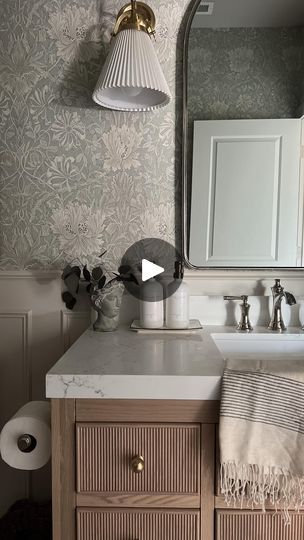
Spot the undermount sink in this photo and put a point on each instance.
(268, 344)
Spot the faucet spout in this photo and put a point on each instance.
(276, 323)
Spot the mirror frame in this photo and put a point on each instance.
(185, 180)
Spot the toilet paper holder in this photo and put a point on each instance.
(26, 443)
(25, 439)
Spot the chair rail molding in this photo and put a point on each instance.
(30, 274)
(201, 282)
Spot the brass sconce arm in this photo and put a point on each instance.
(135, 15)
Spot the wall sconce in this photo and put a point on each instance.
(131, 78)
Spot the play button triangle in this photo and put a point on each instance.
(150, 270)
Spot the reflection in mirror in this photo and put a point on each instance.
(244, 101)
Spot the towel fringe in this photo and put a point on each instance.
(257, 485)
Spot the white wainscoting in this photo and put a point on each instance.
(35, 331)
(73, 324)
(15, 377)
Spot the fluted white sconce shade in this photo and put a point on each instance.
(132, 78)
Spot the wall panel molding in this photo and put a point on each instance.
(18, 359)
(71, 322)
(32, 341)
(26, 318)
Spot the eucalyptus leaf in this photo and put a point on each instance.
(97, 273)
(68, 299)
(76, 270)
(86, 273)
(72, 283)
(101, 282)
(124, 269)
(66, 271)
(90, 288)
(134, 279)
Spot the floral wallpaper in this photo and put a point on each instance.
(237, 73)
(77, 179)
(245, 73)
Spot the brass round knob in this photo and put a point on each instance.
(138, 464)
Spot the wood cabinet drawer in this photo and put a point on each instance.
(256, 525)
(93, 524)
(171, 454)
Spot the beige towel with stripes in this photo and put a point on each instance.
(261, 433)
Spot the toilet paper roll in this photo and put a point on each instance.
(25, 440)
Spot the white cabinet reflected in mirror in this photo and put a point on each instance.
(245, 192)
(243, 102)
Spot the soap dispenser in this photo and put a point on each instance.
(177, 303)
(151, 306)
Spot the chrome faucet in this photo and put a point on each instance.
(244, 325)
(276, 323)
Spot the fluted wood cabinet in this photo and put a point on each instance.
(146, 458)
(146, 470)
(132, 523)
(256, 525)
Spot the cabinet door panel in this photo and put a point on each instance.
(171, 455)
(256, 525)
(136, 525)
(245, 193)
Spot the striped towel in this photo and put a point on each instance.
(262, 433)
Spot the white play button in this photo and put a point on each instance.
(138, 266)
(150, 270)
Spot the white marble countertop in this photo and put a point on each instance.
(130, 365)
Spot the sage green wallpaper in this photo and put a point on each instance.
(77, 179)
(246, 73)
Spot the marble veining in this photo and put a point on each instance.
(127, 365)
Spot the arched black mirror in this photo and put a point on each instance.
(243, 104)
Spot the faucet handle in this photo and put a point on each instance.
(244, 324)
(243, 297)
(290, 299)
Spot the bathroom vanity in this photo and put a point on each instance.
(134, 438)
